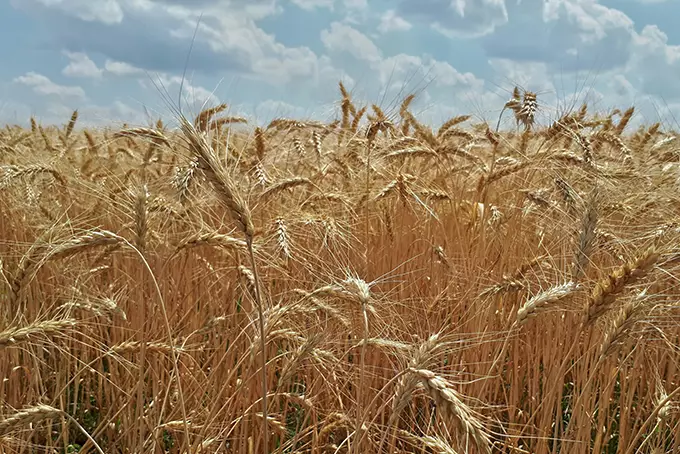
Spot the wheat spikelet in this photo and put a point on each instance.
(356, 121)
(282, 185)
(218, 123)
(316, 142)
(586, 237)
(69, 128)
(249, 279)
(527, 111)
(544, 299)
(213, 239)
(260, 144)
(299, 147)
(506, 286)
(318, 304)
(451, 403)
(405, 115)
(614, 140)
(28, 416)
(411, 152)
(454, 121)
(622, 324)
(607, 290)
(422, 358)
(435, 444)
(292, 365)
(100, 307)
(141, 218)
(14, 336)
(183, 178)
(216, 174)
(261, 174)
(36, 256)
(147, 133)
(48, 143)
(10, 173)
(136, 346)
(623, 122)
(568, 157)
(282, 237)
(203, 119)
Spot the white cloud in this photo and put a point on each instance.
(81, 66)
(569, 35)
(310, 5)
(356, 4)
(44, 86)
(270, 109)
(454, 18)
(119, 68)
(106, 11)
(442, 74)
(390, 21)
(343, 38)
(655, 64)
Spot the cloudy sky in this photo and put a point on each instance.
(123, 60)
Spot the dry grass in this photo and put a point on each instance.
(371, 285)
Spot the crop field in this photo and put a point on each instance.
(370, 285)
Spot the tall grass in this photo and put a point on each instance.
(370, 285)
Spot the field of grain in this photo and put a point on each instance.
(370, 285)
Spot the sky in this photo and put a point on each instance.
(134, 61)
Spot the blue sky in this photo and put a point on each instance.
(114, 60)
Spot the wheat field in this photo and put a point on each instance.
(369, 285)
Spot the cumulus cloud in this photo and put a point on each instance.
(356, 4)
(42, 85)
(343, 38)
(441, 74)
(655, 64)
(310, 5)
(104, 11)
(390, 21)
(458, 17)
(569, 35)
(156, 35)
(81, 66)
(120, 68)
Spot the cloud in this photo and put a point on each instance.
(441, 74)
(120, 68)
(356, 4)
(81, 66)
(94, 115)
(569, 35)
(342, 38)
(390, 21)
(104, 11)
(44, 86)
(195, 95)
(311, 5)
(454, 18)
(655, 64)
(156, 35)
